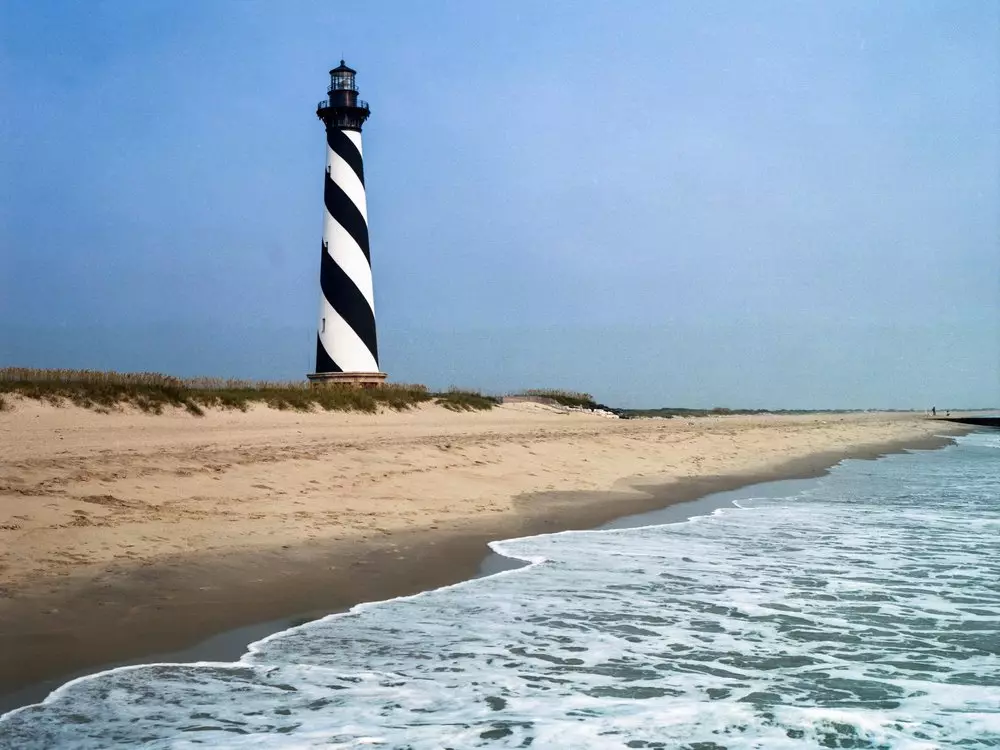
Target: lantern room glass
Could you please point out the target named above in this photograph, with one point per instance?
(342, 79)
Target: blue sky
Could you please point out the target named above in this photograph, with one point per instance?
(785, 204)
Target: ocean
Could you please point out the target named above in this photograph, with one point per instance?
(861, 611)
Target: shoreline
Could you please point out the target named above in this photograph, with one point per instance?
(266, 590)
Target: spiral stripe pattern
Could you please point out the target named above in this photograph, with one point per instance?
(346, 341)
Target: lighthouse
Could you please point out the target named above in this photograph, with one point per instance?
(346, 344)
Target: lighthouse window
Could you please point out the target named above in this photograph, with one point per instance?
(322, 328)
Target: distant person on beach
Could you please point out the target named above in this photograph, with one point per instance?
(933, 411)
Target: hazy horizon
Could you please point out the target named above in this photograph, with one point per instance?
(778, 205)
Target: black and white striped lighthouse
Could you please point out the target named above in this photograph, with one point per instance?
(346, 345)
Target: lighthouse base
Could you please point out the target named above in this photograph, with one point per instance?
(347, 379)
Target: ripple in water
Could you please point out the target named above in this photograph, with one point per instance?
(864, 613)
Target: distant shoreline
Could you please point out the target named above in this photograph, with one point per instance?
(336, 553)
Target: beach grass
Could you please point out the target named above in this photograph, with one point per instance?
(460, 399)
(564, 397)
(153, 392)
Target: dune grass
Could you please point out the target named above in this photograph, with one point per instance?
(564, 398)
(149, 392)
(154, 392)
(459, 399)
